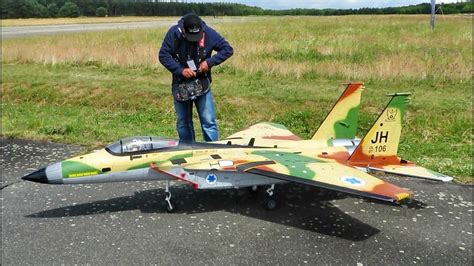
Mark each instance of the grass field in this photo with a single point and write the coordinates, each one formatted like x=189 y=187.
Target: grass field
x=93 y=88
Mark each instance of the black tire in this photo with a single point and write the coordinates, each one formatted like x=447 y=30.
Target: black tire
x=270 y=203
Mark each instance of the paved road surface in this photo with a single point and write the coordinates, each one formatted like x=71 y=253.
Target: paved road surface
x=125 y=222
x=22 y=31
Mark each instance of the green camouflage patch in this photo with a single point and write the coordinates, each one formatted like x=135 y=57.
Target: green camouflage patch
x=296 y=164
x=72 y=169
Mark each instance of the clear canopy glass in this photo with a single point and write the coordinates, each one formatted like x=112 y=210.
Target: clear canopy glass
x=141 y=143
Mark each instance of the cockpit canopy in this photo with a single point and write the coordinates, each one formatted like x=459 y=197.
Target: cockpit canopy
x=140 y=144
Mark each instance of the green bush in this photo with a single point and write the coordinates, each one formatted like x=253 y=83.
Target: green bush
x=101 y=12
x=69 y=9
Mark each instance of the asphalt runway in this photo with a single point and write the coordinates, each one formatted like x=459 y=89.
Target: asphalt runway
x=126 y=223
x=23 y=31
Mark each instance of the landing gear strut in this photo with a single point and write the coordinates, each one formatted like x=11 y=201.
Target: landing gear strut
x=170 y=206
x=269 y=199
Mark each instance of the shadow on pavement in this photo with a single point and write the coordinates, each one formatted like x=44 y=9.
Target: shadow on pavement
x=301 y=207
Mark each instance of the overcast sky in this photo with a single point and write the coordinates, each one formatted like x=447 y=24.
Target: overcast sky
x=288 y=4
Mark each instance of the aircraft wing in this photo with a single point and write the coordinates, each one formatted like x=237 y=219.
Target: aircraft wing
x=323 y=173
x=294 y=167
x=266 y=130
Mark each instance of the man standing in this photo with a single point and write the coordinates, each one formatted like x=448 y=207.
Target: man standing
x=187 y=53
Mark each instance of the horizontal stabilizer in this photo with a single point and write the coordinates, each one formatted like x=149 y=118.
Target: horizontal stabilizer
x=412 y=170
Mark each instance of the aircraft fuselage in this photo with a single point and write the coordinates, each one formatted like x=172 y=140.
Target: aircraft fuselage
x=106 y=166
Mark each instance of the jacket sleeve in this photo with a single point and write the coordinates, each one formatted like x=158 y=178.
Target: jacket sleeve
x=223 y=48
x=166 y=55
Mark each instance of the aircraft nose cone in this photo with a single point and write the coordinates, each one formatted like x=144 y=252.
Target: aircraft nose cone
x=38 y=176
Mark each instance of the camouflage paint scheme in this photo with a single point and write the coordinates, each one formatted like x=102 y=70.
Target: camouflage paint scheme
x=378 y=151
x=340 y=123
x=268 y=153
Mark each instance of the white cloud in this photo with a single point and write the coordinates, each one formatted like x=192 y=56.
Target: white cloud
x=346 y=4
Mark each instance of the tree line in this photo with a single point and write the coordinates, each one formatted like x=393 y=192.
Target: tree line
x=425 y=8
x=75 y=8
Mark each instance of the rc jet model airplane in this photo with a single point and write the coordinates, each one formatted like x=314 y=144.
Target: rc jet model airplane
x=261 y=156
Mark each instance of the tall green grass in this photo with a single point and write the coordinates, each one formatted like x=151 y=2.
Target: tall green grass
x=288 y=71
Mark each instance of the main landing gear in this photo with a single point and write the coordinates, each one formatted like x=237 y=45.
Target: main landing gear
x=269 y=199
x=170 y=205
x=266 y=194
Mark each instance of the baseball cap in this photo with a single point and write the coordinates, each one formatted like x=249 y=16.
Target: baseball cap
x=192 y=27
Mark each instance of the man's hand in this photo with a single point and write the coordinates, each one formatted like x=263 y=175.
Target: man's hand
x=203 y=67
x=188 y=73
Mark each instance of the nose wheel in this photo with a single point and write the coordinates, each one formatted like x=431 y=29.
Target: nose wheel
x=170 y=205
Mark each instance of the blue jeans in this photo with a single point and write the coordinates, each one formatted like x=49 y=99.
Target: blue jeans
x=207 y=116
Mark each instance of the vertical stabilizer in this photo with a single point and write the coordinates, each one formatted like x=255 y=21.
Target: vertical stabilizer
x=378 y=150
x=341 y=122
x=380 y=144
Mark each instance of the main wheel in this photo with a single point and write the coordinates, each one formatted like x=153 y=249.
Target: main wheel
x=270 y=203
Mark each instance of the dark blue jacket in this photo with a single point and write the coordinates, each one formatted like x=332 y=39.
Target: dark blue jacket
x=213 y=42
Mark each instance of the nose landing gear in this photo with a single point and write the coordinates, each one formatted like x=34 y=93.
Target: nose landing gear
x=170 y=205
